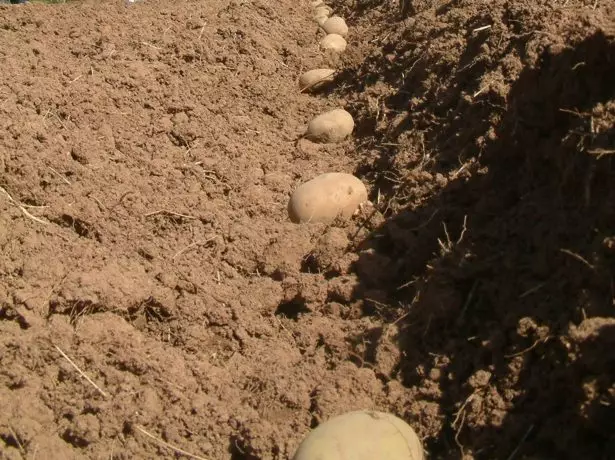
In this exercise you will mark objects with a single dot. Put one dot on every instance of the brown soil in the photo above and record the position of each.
(147, 155)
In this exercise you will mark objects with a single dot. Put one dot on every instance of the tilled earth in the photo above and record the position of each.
(147, 154)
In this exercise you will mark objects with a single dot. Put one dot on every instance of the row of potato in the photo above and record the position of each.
(363, 434)
(331, 195)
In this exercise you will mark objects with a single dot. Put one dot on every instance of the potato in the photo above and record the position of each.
(314, 79)
(320, 20)
(326, 197)
(333, 42)
(335, 25)
(323, 10)
(361, 435)
(330, 127)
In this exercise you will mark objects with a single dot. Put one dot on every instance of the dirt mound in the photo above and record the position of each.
(152, 150)
(488, 129)
(148, 153)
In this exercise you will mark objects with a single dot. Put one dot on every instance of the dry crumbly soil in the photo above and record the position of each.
(146, 159)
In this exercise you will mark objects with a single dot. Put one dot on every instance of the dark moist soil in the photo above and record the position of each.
(146, 159)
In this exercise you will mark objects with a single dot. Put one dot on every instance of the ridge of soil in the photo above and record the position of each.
(147, 155)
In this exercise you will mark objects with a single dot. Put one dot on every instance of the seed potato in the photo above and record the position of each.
(316, 78)
(335, 25)
(361, 435)
(333, 42)
(325, 198)
(320, 20)
(323, 10)
(330, 127)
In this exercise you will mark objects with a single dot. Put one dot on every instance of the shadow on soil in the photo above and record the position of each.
(514, 317)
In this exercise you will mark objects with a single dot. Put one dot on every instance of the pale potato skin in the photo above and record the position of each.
(335, 25)
(333, 42)
(326, 198)
(320, 19)
(361, 435)
(323, 10)
(330, 127)
(316, 78)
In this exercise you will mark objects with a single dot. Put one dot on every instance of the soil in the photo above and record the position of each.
(147, 154)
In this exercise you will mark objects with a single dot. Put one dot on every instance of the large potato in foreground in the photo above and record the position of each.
(330, 127)
(335, 25)
(333, 42)
(361, 435)
(316, 78)
(326, 197)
